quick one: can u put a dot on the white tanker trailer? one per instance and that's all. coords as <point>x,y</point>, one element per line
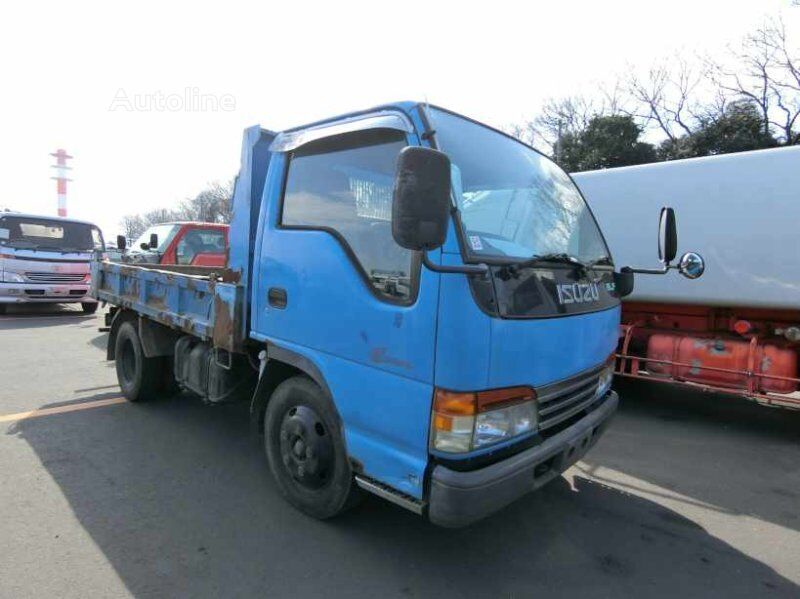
<point>738,328</point>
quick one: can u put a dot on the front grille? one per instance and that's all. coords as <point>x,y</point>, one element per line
<point>562,400</point>
<point>55,277</point>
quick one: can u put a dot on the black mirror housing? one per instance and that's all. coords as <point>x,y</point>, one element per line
<point>667,236</point>
<point>122,243</point>
<point>421,198</point>
<point>623,282</point>
<point>153,241</point>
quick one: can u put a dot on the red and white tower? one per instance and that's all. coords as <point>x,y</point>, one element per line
<point>61,167</point>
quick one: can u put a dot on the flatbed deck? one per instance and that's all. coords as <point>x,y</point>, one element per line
<point>200,301</point>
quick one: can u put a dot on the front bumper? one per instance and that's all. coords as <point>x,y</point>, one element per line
<point>18,293</point>
<point>460,498</point>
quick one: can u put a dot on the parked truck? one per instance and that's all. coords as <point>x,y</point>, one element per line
<point>415,305</point>
<point>737,330</point>
<point>45,259</point>
<point>182,242</point>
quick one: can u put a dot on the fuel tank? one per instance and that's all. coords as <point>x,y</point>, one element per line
<point>690,357</point>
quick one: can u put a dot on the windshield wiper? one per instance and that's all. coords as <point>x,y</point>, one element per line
<point>601,261</point>
<point>71,250</point>
<point>30,244</point>
<point>561,257</point>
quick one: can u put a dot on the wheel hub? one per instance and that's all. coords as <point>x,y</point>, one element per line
<point>306,447</point>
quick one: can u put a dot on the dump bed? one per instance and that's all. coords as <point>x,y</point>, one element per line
<point>203,302</point>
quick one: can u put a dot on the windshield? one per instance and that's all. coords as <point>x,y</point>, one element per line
<point>514,202</point>
<point>36,233</point>
<point>165,234</point>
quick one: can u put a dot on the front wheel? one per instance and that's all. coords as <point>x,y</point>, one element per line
<point>305,450</point>
<point>140,378</point>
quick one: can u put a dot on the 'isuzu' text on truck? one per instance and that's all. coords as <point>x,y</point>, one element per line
<point>415,305</point>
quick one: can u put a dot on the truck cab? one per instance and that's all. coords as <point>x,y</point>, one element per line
<point>443,377</point>
<point>186,242</point>
<point>416,305</point>
<point>46,259</point>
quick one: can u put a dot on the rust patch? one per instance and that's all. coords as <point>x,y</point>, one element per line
<point>380,355</point>
<point>159,302</point>
<point>224,325</point>
<point>231,276</point>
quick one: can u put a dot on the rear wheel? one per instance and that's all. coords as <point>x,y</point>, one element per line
<point>140,378</point>
<point>89,307</point>
<point>305,450</point>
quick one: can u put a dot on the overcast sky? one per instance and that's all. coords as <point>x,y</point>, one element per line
<point>72,72</point>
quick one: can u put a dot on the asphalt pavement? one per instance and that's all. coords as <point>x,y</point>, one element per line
<point>688,494</point>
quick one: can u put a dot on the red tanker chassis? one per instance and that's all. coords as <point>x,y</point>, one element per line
<point>746,351</point>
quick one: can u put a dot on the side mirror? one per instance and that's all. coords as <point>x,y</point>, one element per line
<point>154,241</point>
<point>122,243</point>
<point>667,236</point>
<point>692,265</point>
<point>421,199</point>
<point>623,282</point>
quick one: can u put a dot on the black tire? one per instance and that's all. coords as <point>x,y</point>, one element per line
<point>89,308</point>
<point>140,378</point>
<point>3,308</point>
<point>305,450</point>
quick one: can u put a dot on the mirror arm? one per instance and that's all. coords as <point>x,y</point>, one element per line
<point>469,269</point>
<point>648,271</point>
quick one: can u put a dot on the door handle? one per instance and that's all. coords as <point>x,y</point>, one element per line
<point>277,298</point>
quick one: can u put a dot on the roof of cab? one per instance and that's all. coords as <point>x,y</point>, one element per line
<point>46,217</point>
<point>193,223</point>
<point>404,106</point>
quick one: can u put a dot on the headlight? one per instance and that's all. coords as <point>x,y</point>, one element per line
<point>12,277</point>
<point>606,378</point>
<point>463,422</point>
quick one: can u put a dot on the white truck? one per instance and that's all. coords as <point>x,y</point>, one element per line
<point>738,329</point>
<point>45,259</point>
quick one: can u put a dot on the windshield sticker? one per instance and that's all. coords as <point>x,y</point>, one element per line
<point>4,233</point>
<point>475,242</point>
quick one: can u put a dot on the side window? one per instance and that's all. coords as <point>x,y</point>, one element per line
<point>97,239</point>
<point>199,241</point>
<point>345,184</point>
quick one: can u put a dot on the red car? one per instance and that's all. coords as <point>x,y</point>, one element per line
<point>188,243</point>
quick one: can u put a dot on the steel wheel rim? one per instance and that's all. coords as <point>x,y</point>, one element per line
<point>306,447</point>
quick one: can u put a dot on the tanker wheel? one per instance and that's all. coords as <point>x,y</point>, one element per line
<point>305,450</point>
<point>140,378</point>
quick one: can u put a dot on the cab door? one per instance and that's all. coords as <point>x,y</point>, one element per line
<point>333,286</point>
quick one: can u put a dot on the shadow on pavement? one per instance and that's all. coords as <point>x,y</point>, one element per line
<point>178,498</point>
<point>100,341</point>
<point>732,454</point>
<point>34,316</point>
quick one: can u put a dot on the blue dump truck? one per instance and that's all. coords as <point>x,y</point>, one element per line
<point>415,305</point>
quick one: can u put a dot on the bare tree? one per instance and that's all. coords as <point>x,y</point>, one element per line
<point>213,205</point>
<point>765,70</point>
<point>666,97</point>
<point>559,117</point>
